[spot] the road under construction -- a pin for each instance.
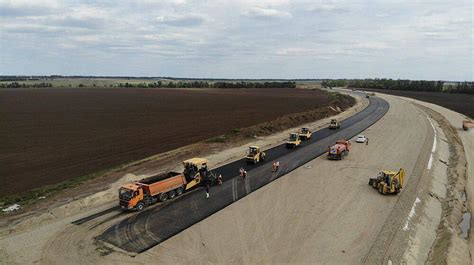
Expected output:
(312, 210)
(152, 226)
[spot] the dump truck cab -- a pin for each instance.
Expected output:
(130, 195)
(293, 141)
(254, 155)
(334, 124)
(305, 133)
(388, 181)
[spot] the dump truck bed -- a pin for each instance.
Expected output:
(159, 177)
(163, 182)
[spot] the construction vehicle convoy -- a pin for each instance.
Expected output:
(466, 124)
(140, 194)
(339, 150)
(305, 134)
(294, 141)
(388, 181)
(334, 124)
(255, 155)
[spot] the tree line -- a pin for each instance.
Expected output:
(204, 84)
(403, 84)
(25, 85)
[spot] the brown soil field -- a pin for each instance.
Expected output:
(52, 135)
(462, 103)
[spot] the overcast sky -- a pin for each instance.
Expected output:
(429, 39)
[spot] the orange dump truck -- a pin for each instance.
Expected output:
(138, 195)
(466, 124)
(339, 150)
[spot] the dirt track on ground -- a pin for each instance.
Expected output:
(51, 135)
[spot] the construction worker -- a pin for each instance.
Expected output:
(275, 166)
(219, 179)
(243, 173)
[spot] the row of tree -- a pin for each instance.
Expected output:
(204, 84)
(461, 87)
(24, 85)
(413, 85)
(402, 84)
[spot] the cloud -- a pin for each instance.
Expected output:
(241, 38)
(327, 8)
(266, 13)
(21, 8)
(181, 20)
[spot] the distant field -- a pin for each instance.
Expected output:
(462, 103)
(51, 135)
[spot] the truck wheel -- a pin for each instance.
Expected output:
(374, 184)
(171, 194)
(381, 189)
(163, 197)
(140, 206)
(179, 191)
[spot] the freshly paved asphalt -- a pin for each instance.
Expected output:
(154, 225)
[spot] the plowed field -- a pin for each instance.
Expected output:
(51, 135)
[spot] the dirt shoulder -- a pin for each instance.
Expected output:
(448, 196)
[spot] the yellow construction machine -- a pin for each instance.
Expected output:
(294, 141)
(255, 155)
(305, 133)
(388, 181)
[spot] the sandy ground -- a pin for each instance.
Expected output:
(323, 212)
(450, 190)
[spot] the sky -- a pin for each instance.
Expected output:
(426, 39)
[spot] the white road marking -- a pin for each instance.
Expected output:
(433, 149)
(430, 162)
(412, 213)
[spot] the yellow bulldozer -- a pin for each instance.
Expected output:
(388, 181)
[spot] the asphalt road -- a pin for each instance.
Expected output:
(154, 225)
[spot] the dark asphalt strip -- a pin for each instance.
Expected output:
(154, 225)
